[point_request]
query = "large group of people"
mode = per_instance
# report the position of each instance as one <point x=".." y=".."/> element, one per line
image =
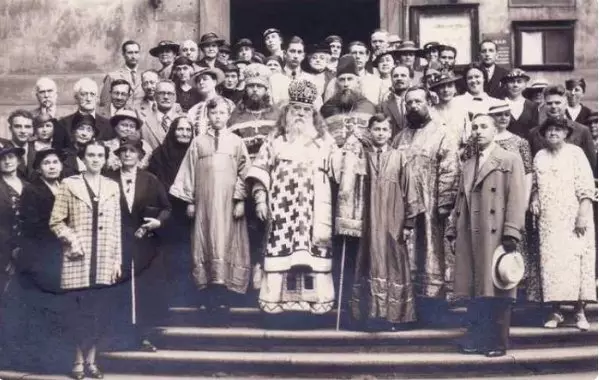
<point x="384" y="182"/>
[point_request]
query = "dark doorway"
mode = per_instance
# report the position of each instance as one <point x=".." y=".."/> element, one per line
<point x="312" y="20"/>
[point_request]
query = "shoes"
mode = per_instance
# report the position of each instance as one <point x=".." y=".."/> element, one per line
<point x="581" y="321"/>
<point x="495" y="353"/>
<point x="93" y="371"/>
<point x="77" y="373"/>
<point x="467" y="347"/>
<point x="147" y="346"/>
<point x="554" y="320"/>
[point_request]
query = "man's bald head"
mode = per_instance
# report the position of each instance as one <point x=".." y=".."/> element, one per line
<point x="189" y="49"/>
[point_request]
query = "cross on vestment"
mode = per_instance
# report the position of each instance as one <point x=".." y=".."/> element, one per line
<point x="285" y="204"/>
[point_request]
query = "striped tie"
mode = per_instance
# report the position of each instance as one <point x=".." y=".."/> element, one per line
<point x="165" y="122"/>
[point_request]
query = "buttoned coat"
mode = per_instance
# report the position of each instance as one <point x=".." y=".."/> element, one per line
<point x="151" y="128"/>
<point x="494" y="87"/>
<point x="71" y="221"/>
<point x="486" y="210"/>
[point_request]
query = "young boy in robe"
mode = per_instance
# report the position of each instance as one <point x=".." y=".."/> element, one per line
<point x="211" y="180"/>
<point x="382" y="294"/>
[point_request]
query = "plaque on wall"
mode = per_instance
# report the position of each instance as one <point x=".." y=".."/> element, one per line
<point x="504" y="47"/>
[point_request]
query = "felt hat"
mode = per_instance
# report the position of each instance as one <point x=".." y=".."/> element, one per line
<point x="430" y="46"/>
<point x="215" y="73"/>
<point x="162" y="46"/>
<point x="445" y="78"/>
<point x="271" y="31"/>
<point x="225" y="48"/>
<point x="243" y="42"/>
<point x="561" y="123"/>
<point x="80" y="120"/>
<point x="126" y="114"/>
<point x="257" y="73"/>
<point x="40" y="155"/>
<point x="392" y="52"/>
<point x="333" y="38"/>
<point x="513" y="74"/>
<point x="9" y="148"/>
<point x="507" y="268"/>
<point x="130" y="142"/>
<point x="409" y="47"/>
<point x="302" y="91"/>
<point x="210" y="38"/>
<point x="347" y="65"/>
<point x="183" y="61"/>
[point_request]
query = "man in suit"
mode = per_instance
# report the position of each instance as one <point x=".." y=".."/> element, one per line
<point x="120" y="92"/>
<point x="20" y="124"/>
<point x="488" y="56"/>
<point x="86" y="96"/>
<point x="489" y="212"/>
<point x="156" y="121"/>
<point x="393" y="107"/>
<point x="130" y="72"/>
<point x="46" y="94"/>
<point x="555" y="106"/>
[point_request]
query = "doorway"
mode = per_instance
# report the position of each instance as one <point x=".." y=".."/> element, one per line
<point x="312" y="20"/>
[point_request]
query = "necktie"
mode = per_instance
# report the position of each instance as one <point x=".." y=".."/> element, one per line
<point x="133" y="78"/>
<point x="165" y="122"/>
<point x="378" y="158"/>
<point x="216" y="134"/>
<point x="293" y="74"/>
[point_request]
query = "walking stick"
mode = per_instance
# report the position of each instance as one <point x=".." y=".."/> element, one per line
<point x="341" y="284"/>
<point x="133" y="301"/>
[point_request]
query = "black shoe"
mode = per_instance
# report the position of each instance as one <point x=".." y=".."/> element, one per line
<point x="468" y="349"/>
<point x="94" y="372"/>
<point x="147" y="346"/>
<point x="495" y="353"/>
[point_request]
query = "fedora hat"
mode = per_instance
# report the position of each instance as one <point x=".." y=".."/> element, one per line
<point x="162" y="46"/>
<point x="216" y="73"/>
<point x="409" y="47"/>
<point x="210" y="38"/>
<point x="514" y="74"/>
<point x="9" y="148"/>
<point x="125" y="114"/>
<point x="507" y="268"/>
<point x="446" y="77"/>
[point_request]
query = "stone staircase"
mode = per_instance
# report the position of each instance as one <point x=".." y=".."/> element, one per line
<point x="313" y="349"/>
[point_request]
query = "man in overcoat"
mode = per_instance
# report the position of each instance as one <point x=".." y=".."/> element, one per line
<point x="489" y="212"/>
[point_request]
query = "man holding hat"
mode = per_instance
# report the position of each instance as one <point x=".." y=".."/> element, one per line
<point x="289" y="183"/>
<point x="205" y="82"/>
<point x="484" y="230"/>
<point x="273" y="42"/>
<point x="210" y="44"/>
<point x="165" y="51"/>
<point x="126" y="123"/>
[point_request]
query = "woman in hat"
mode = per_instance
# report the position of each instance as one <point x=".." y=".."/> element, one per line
<point x="511" y="142"/>
<point x="244" y="50"/>
<point x="44" y="126"/>
<point x="164" y="164"/>
<point x="166" y="51"/>
<point x="210" y="44"/>
<point x="407" y="54"/>
<point x="274" y="63"/>
<point x="126" y="122"/>
<point x="384" y="64"/>
<point x="534" y="93"/>
<point x="430" y="52"/>
<point x="144" y="210"/>
<point x="562" y="202"/>
<point x="524" y="113"/>
<point x="86" y="218"/>
<point x="206" y="82"/>
<point x="84" y="131"/>
<point x="211" y="181"/>
<point x="575" y="110"/>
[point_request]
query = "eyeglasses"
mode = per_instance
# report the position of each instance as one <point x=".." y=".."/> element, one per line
<point x="165" y="93"/>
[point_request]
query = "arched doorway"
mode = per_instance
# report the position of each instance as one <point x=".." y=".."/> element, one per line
<point x="312" y="20"/>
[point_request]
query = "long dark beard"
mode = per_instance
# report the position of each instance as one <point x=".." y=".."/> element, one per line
<point x="416" y="120"/>
<point x="254" y="102"/>
<point x="347" y="100"/>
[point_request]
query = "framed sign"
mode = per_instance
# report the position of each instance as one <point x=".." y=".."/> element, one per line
<point x="454" y="25"/>
<point x="504" y="47"/>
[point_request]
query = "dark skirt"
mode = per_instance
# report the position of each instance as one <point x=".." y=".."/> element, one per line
<point x="87" y="313"/>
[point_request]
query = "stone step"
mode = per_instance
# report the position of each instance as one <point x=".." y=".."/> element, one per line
<point x="343" y="364"/>
<point x="421" y="340"/>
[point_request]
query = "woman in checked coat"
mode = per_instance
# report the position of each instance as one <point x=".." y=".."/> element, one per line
<point x="86" y="218"/>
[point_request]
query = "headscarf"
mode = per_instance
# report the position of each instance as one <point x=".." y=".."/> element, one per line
<point x="166" y="158"/>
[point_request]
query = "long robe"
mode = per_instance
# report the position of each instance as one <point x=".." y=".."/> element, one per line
<point x="383" y="287"/>
<point x="211" y="176"/>
<point x="433" y="156"/>
<point x="297" y="259"/>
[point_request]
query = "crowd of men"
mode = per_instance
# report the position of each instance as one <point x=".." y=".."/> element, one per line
<point x="365" y="203"/>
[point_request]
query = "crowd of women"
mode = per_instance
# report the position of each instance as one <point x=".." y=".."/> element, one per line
<point x="105" y="221"/>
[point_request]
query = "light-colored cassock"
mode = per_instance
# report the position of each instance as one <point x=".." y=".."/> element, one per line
<point x="295" y="176"/>
<point x="567" y="261"/>
<point x="152" y="130"/>
<point x="126" y="74"/>
<point x="432" y="155"/>
<point x="490" y="205"/>
<point x="212" y="179"/>
<point x="71" y="220"/>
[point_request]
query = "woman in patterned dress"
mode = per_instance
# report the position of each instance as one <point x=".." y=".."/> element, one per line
<point x="562" y="201"/>
<point x="514" y="143"/>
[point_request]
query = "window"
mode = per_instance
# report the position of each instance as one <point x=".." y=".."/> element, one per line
<point x="544" y="45"/>
<point x="542" y="3"/>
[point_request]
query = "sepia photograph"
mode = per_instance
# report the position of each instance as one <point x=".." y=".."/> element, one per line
<point x="299" y="189"/>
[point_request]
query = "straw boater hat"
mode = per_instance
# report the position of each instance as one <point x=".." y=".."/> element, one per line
<point x="215" y="73"/>
<point x="446" y="77"/>
<point x="507" y="268"/>
<point x="126" y="114"/>
<point x="210" y="38"/>
<point x="162" y="46"/>
<point x="514" y="74"/>
<point x="537" y="85"/>
<point x="500" y="107"/>
<point x="302" y="91"/>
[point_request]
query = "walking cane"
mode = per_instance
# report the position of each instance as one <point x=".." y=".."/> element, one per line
<point x="341" y="284"/>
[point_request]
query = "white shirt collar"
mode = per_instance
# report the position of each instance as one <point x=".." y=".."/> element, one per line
<point x="484" y="155"/>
